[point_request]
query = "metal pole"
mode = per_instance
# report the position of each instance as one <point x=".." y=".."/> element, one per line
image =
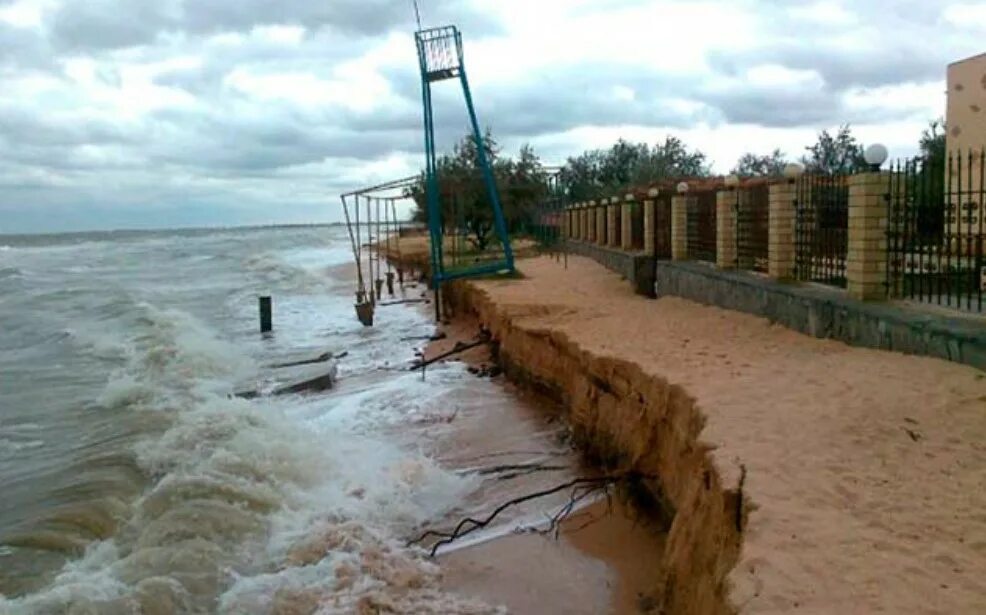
<point x="498" y="220"/>
<point x="369" y="254"/>
<point x="266" y="320"/>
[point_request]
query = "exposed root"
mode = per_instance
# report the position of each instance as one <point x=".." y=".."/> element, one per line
<point x="581" y="489"/>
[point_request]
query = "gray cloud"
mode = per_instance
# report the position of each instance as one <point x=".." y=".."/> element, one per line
<point x="111" y="24"/>
<point x="222" y="148"/>
<point x="23" y="48"/>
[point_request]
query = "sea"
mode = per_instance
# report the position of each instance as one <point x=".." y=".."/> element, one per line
<point x="134" y="480"/>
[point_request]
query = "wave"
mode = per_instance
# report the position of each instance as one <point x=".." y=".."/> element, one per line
<point x="250" y="511"/>
<point x="274" y="270"/>
<point x="250" y="507"/>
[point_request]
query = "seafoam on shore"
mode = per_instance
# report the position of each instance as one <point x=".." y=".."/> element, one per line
<point x="134" y="480"/>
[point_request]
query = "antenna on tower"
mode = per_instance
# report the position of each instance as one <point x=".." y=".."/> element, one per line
<point x="417" y="13"/>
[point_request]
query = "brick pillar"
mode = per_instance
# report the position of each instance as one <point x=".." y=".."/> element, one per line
<point x="780" y="230"/>
<point x="601" y="223"/>
<point x="612" y="220"/>
<point x="679" y="226"/>
<point x="650" y="227"/>
<point x="726" y="249"/>
<point x="626" y="222"/>
<point x="590" y="222"/>
<point x="866" y="262"/>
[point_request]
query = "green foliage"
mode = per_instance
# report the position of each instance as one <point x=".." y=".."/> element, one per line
<point x="756" y="165"/>
<point x="933" y="142"/>
<point x="837" y="154"/>
<point x="596" y="173"/>
<point x="465" y="204"/>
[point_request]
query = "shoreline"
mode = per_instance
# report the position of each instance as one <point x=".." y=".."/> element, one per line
<point x="600" y="558"/>
<point x="787" y="463"/>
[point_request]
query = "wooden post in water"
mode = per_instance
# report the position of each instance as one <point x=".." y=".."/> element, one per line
<point x="266" y="321"/>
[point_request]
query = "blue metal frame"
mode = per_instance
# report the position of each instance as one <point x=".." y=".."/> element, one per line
<point x="439" y="61"/>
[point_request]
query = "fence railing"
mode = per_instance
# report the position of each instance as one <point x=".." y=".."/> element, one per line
<point x="637" y="226"/>
<point x="701" y="229"/>
<point x="918" y="229"/>
<point x="752" y="224"/>
<point x="935" y="239"/>
<point x="821" y="230"/>
<point x="662" y="223"/>
<point x="547" y="223"/>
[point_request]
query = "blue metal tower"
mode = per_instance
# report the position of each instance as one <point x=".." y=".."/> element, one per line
<point x="440" y="58"/>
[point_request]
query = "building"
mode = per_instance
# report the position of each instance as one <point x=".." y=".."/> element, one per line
<point x="966" y="133"/>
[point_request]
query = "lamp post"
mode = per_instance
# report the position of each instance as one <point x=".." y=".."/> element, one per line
<point x="793" y="171"/>
<point x="875" y="155"/>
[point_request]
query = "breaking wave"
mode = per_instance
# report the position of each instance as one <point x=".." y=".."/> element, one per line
<point x="246" y="509"/>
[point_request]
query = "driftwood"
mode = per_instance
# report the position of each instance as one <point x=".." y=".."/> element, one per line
<point x="431" y="338"/>
<point x="322" y="358"/>
<point x="514" y="470"/>
<point x="459" y="347"/>
<point x="313" y="385"/>
<point x="317" y="384"/>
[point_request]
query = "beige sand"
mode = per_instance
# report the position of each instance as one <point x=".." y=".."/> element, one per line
<point x="867" y="468"/>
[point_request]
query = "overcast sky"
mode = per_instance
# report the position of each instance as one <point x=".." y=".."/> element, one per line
<point x="151" y="113"/>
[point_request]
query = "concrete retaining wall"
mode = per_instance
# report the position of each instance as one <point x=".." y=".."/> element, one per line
<point x="829" y="313"/>
<point x="636" y="267"/>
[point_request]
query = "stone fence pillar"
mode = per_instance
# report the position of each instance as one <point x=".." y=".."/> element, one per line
<point x="626" y="222"/>
<point x="866" y="261"/>
<point x="780" y="230"/>
<point x="726" y="249"/>
<point x="680" y="204"/>
<point x="612" y="223"/>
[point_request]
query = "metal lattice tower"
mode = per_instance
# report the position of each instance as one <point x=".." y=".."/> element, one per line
<point x="440" y="58"/>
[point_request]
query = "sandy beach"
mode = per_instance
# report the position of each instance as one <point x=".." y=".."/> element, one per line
<point x="865" y="484"/>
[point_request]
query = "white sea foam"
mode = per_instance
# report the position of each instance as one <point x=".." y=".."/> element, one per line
<point x="288" y="504"/>
<point x="291" y="504"/>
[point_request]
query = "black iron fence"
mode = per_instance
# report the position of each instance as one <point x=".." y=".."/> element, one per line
<point x="935" y="230"/>
<point x="637" y="226"/>
<point x="821" y="230"/>
<point x="752" y="217"/>
<point x="662" y="226"/>
<point x="701" y="229"/>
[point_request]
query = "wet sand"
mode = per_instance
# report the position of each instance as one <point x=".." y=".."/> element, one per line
<point x="603" y="557"/>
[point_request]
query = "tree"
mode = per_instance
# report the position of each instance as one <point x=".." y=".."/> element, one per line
<point x="595" y="173"/>
<point x="933" y="142"/>
<point x="756" y="165"/>
<point x="463" y="196"/>
<point x="835" y="155"/>
<point x="671" y="159"/>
